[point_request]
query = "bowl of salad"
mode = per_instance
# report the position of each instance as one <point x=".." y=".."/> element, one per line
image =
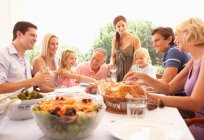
<point x="22" y="111"/>
<point x="68" y="116"/>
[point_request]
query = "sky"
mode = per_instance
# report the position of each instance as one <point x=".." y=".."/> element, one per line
<point x="77" y="22"/>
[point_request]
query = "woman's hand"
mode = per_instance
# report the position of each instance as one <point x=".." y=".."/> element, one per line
<point x="111" y="65"/>
<point x="132" y="76"/>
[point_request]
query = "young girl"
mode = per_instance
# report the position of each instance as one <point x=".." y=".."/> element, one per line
<point x="66" y="75"/>
<point x="142" y="62"/>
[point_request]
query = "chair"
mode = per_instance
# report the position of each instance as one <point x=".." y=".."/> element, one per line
<point x="195" y="120"/>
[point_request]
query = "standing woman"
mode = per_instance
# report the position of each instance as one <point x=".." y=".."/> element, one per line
<point x="47" y="59"/>
<point x="123" y="46"/>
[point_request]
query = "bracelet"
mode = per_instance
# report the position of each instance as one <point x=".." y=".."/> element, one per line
<point x="160" y="103"/>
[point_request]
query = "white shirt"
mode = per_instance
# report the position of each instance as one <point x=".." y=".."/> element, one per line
<point x="12" y="67"/>
<point x="149" y="69"/>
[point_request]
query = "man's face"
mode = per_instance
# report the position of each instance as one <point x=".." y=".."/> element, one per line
<point x="159" y="43"/>
<point x="28" y="39"/>
<point x="97" y="60"/>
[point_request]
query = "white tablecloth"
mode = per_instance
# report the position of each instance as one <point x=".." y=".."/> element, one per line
<point x="28" y="129"/>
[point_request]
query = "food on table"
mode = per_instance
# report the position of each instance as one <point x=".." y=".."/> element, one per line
<point x="120" y="90"/>
<point x="92" y="89"/>
<point x="22" y="111"/>
<point x="115" y="95"/>
<point x="28" y="95"/>
<point x="68" y="117"/>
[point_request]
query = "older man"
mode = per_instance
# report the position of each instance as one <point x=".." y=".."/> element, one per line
<point x="96" y="68"/>
<point x="15" y="70"/>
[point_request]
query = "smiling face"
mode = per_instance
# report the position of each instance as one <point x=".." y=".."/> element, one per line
<point x="160" y="44"/>
<point x="120" y="27"/>
<point x="53" y="45"/>
<point x="71" y="60"/>
<point x="179" y="40"/>
<point x="97" y="60"/>
<point x="28" y="39"/>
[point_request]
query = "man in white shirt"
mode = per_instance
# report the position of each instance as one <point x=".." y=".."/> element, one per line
<point x="15" y="70"/>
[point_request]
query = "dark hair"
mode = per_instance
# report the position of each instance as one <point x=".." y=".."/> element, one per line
<point x="117" y="36"/>
<point x="22" y="26"/>
<point x="165" y="32"/>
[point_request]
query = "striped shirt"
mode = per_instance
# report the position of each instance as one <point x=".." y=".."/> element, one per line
<point x="174" y="58"/>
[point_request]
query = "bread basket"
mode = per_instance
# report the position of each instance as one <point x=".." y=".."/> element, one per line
<point x="114" y="96"/>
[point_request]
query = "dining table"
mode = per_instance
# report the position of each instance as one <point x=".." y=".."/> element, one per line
<point x="29" y="130"/>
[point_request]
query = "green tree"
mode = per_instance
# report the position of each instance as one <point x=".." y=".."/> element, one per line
<point x="141" y="28"/>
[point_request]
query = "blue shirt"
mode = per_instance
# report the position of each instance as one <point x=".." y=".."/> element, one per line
<point x="12" y="67"/>
<point x="174" y="58"/>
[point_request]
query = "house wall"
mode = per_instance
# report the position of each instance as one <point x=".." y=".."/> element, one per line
<point x="5" y="30"/>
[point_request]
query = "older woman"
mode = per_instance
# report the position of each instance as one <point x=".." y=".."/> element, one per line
<point x="189" y="37"/>
<point x="47" y="60"/>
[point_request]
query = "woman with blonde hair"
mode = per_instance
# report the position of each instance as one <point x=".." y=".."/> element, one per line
<point x="189" y="37"/>
<point x="47" y="60"/>
<point x="67" y="76"/>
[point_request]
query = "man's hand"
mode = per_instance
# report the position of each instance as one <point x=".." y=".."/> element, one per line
<point x="41" y="78"/>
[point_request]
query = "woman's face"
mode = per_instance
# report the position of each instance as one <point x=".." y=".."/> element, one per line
<point x="141" y="60"/>
<point x="160" y="44"/>
<point x="179" y="41"/>
<point x="71" y="60"/>
<point x="120" y="27"/>
<point x="53" y="45"/>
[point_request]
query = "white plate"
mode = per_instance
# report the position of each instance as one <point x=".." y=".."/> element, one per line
<point x="85" y="84"/>
<point x="141" y="129"/>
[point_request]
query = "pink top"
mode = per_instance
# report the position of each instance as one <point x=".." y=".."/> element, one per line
<point x="65" y="81"/>
<point x="85" y="69"/>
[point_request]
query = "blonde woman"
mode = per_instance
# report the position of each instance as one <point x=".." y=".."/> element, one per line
<point x="67" y="76"/>
<point x="47" y="60"/>
<point x="142" y="62"/>
<point x="189" y="37"/>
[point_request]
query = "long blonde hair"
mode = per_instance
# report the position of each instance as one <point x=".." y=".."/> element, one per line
<point x="194" y="29"/>
<point x="44" y="51"/>
<point x="63" y="65"/>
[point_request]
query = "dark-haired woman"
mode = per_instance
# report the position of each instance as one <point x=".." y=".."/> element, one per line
<point x="124" y="45"/>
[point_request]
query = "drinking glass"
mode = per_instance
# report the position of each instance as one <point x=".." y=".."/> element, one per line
<point x="136" y="106"/>
<point x="113" y="74"/>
